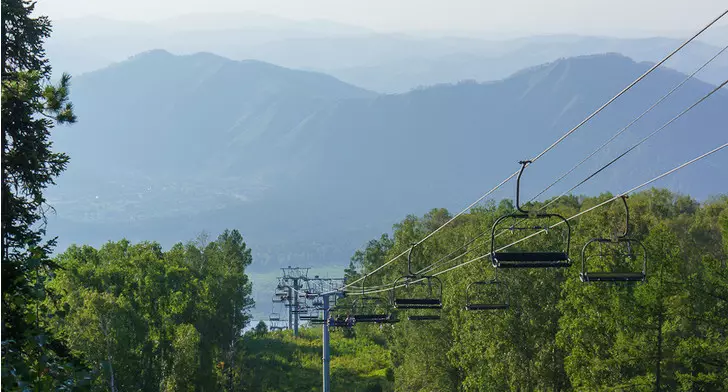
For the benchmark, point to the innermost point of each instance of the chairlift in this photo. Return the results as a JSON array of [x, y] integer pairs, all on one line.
[[423, 317], [409, 298], [274, 317], [312, 314], [308, 295], [368, 309], [341, 321], [318, 317], [621, 249], [521, 220], [281, 292], [475, 302], [302, 308]]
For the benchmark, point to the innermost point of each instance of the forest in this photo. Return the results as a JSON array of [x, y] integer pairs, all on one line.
[[141, 318], [668, 333]]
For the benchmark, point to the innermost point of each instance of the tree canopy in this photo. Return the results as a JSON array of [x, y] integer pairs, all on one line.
[[31, 107]]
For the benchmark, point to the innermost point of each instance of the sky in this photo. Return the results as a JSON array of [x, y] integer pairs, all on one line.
[[612, 17]]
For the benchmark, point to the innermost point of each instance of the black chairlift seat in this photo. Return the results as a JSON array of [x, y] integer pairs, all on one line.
[[636, 251], [308, 295], [433, 285], [423, 317], [433, 299], [370, 318], [486, 307], [274, 317], [417, 303], [368, 309], [529, 259], [474, 304], [613, 277], [341, 323]]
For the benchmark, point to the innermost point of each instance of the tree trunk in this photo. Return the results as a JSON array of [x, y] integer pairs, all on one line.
[[659, 350], [111, 379]]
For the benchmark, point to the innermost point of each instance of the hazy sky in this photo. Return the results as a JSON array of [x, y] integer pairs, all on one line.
[[617, 17]]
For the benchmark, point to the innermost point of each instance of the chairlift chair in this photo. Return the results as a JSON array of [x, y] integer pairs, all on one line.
[[308, 295], [620, 247], [369, 309], [312, 314], [530, 259], [473, 303], [432, 284], [423, 317], [274, 317], [318, 318], [341, 322]]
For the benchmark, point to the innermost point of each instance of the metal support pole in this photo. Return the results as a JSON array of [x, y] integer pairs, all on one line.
[[295, 314], [290, 309], [327, 359]]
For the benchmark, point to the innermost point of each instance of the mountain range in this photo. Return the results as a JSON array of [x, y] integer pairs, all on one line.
[[381, 62], [309, 167]]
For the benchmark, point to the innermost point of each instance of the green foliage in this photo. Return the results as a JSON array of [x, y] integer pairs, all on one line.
[[31, 107], [260, 329], [277, 361], [145, 319], [560, 333]]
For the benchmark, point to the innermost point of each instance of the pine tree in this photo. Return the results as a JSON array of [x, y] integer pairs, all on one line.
[[31, 107]]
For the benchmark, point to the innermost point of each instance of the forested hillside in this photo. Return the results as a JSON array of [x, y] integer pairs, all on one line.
[[560, 333], [169, 318]]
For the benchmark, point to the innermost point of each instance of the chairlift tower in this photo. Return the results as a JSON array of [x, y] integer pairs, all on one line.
[[299, 285], [293, 277]]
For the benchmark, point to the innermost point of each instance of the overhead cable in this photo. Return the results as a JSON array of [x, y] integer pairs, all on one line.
[[634, 189], [549, 148]]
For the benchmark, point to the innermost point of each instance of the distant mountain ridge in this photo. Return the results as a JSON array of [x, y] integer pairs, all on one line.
[[383, 62], [309, 167], [193, 105]]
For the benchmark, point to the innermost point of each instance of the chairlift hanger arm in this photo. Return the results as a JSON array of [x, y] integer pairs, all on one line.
[[626, 210], [518, 186]]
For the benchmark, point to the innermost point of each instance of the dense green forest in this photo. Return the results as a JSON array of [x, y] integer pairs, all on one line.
[[560, 333], [144, 319], [141, 318]]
